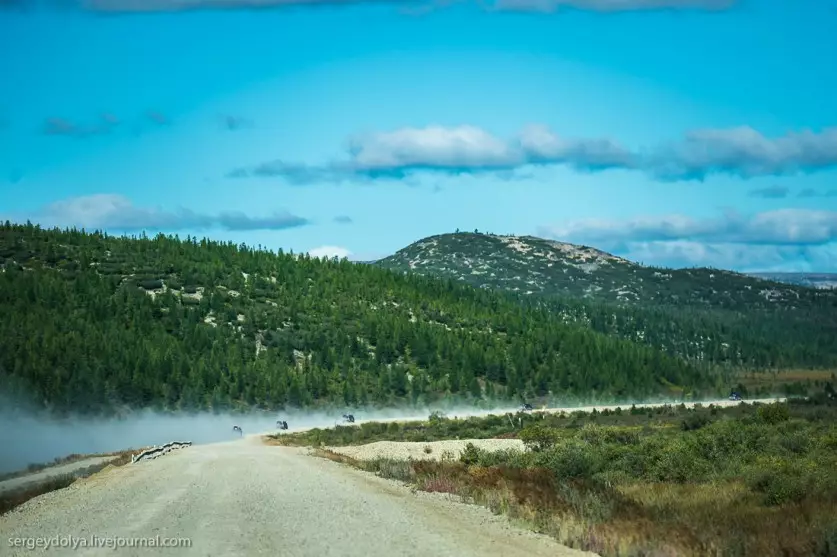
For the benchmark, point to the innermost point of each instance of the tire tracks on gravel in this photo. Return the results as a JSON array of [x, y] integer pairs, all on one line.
[[244, 498]]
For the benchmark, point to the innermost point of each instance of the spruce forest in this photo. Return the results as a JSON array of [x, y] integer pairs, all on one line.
[[98, 324], [94, 323]]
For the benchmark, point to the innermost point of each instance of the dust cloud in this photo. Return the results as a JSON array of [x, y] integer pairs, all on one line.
[[29, 436], [32, 437]]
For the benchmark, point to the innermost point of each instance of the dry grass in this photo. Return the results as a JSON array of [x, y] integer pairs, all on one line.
[[754, 380], [70, 458], [802, 375], [640, 519], [274, 441], [337, 457], [727, 519]]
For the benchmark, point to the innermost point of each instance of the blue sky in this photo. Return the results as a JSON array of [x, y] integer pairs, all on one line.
[[672, 132]]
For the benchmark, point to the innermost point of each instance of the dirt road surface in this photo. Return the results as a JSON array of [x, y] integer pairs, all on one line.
[[722, 402], [244, 498], [555, 410]]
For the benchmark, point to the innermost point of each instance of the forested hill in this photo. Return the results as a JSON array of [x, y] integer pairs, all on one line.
[[95, 323], [702, 315], [536, 266]]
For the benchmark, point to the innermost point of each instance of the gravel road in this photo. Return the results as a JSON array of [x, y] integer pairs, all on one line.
[[722, 402], [246, 498], [555, 410]]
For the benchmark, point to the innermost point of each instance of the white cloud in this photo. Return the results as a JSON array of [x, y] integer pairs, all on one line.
[[741, 257], [740, 151], [779, 227], [745, 152], [784, 239], [436, 146], [112, 211], [330, 252]]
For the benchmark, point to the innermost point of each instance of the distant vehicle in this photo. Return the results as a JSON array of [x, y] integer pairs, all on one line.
[[282, 424], [238, 429], [526, 407], [735, 396]]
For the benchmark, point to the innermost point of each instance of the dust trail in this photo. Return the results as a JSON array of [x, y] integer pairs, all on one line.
[[32, 437]]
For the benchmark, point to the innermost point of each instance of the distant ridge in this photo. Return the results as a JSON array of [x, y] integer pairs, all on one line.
[[712, 316], [812, 280], [533, 266]]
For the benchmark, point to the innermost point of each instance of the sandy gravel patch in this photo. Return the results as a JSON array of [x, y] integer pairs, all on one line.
[[403, 450]]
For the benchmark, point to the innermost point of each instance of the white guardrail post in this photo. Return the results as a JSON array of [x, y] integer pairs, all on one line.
[[156, 451]]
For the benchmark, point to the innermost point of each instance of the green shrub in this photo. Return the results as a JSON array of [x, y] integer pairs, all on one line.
[[471, 455], [797, 442], [774, 413], [779, 486], [694, 421], [605, 435], [395, 469], [679, 463], [436, 417], [570, 460], [538, 438]]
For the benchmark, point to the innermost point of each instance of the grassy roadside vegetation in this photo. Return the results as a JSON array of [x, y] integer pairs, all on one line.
[[750, 480], [61, 460], [788, 382], [14, 498]]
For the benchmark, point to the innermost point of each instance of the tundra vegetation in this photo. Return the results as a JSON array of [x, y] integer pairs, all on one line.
[[750, 480]]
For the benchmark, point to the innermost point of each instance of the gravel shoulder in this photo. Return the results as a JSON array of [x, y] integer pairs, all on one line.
[[244, 498]]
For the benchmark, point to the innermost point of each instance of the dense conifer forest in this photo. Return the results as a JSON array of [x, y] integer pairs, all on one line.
[[97, 323], [706, 316]]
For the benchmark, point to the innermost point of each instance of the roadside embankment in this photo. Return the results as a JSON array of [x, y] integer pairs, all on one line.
[[20, 488]]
